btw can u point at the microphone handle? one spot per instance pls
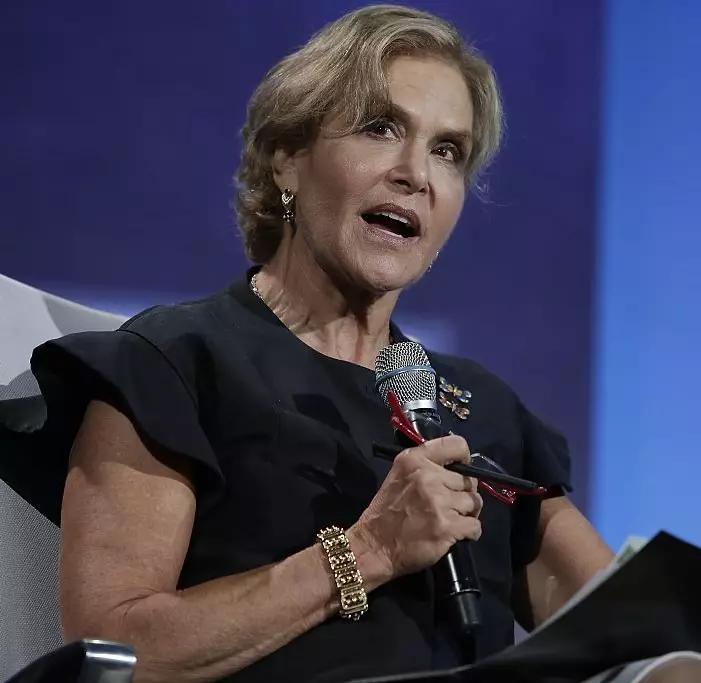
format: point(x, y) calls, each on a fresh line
point(458, 593)
point(456, 583)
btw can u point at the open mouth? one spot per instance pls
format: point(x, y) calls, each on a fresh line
point(393, 222)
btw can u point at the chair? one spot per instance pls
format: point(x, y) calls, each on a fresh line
point(29, 616)
point(85, 661)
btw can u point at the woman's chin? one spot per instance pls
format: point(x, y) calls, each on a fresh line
point(389, 276)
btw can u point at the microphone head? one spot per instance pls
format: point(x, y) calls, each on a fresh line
point(404, 369)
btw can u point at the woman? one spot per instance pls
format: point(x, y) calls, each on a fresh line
point(219, 437)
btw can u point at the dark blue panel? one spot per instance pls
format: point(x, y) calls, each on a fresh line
point(119, 138)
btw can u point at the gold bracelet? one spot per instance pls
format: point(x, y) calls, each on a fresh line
point(349, 581)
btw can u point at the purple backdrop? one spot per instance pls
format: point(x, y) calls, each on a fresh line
point(118, 132)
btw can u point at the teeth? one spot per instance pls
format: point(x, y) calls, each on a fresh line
point(395, 216)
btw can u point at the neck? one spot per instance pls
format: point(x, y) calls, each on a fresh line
point(334, 318)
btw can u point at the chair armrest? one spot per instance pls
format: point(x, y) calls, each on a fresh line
point(107, 662)
point(84, 661)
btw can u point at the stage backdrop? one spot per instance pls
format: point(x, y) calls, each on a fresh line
point(646, 465)
point(119, 138)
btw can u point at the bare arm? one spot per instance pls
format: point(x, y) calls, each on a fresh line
point(126, 524)
point(570, 553)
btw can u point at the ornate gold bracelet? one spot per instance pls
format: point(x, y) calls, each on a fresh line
point(349, 581)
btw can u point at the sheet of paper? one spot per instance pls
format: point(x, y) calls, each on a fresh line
point(630, 547)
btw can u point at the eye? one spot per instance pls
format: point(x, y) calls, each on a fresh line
point(450, 152)
point(382, 128)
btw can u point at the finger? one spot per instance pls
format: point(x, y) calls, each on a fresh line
point(445, 450)
point(469, 484)
point(466, 528)
point(457, 482)
point(467, 504)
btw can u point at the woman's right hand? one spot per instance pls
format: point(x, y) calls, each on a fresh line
point(420, 511)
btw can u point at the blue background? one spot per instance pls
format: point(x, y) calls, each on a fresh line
point(576, 281)
point(646, 463)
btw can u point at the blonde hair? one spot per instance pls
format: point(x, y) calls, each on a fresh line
point(341, 71)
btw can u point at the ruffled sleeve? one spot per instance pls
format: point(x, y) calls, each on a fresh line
point(546, 460)
point(128, 371)
point(546, 453)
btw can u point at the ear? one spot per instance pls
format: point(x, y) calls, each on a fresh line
point(285, 171)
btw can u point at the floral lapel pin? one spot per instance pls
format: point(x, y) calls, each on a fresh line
point(454, 398)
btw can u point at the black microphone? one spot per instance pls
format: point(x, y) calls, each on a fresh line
point(405, 370)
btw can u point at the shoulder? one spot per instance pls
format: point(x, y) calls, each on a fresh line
point(492, 402)
point(164, 324)
point(164, 346)
point(156, 370)
point(471, 376)
point(478, 403)
point(190, 331)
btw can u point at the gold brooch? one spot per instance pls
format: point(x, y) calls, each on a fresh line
point(454, 398)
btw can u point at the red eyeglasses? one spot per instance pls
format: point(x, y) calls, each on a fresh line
point(492, 479)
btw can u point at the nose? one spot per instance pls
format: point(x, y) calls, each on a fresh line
point(410, 171)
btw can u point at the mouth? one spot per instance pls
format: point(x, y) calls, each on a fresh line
point(393, 219)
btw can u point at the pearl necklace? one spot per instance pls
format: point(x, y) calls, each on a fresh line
point(256, 291)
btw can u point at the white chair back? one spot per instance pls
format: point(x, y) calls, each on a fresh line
point(29, 543)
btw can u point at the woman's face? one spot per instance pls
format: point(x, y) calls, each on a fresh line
point(374, 207)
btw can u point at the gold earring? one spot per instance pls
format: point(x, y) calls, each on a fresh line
point(288, 198)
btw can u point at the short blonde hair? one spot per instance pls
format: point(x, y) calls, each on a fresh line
point(341, 71)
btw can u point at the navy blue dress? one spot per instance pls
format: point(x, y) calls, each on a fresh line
point(280, 438)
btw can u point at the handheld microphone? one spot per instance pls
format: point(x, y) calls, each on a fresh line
point(404, 369)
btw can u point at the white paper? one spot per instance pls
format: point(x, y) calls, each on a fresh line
point(631, 546)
